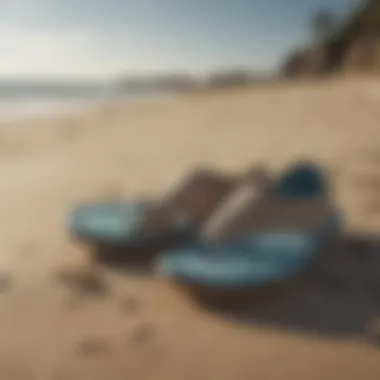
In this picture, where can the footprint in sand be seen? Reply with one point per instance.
(131, 305)
(142, 334)
(83, 282)
(92, 347)
(5, 282)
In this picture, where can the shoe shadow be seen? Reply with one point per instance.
(339, 297)
(133, 259)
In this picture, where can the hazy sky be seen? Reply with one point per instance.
(102, 38)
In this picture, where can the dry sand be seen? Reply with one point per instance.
(135, 328)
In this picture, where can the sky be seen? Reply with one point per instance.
(107, 38)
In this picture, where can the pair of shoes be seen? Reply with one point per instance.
(223, 233)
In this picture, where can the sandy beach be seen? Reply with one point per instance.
(136, 328)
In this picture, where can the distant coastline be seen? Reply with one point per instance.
(122, 86)
(25, 99)
(28, 98)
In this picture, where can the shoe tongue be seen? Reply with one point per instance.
(215, 230)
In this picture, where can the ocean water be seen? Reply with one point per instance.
(28, 100)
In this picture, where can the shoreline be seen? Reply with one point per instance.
(31, 108)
